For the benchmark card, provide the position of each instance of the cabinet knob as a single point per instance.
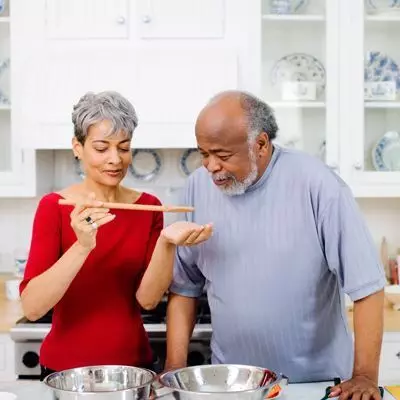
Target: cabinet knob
(121, 20)
(30, 359)
(398, 355)
(146, 19)
(357, 166)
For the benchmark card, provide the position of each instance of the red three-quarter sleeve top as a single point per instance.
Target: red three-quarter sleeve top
(98, 320)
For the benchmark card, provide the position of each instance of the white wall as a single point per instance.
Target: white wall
(16, 215)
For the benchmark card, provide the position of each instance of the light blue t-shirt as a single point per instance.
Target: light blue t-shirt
(276, 268)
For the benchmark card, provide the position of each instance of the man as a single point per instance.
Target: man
(288, 241)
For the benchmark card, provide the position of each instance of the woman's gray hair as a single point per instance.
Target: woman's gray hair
(96, 107)
(261, 117)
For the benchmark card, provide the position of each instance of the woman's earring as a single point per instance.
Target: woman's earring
(76, 158)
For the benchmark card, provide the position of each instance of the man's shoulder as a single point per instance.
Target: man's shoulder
(305, 173)
(309, 169)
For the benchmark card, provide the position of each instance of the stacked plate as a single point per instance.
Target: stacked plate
(386, 152)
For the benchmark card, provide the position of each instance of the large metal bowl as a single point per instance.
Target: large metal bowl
(219, 382)
(104, 382)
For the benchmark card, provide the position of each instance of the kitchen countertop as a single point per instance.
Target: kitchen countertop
(11, 311)
(304, 391)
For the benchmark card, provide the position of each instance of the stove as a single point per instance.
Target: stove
(28, 337)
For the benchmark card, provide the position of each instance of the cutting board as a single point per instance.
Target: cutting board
(394, 391)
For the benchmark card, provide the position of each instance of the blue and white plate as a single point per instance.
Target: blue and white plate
(4, 81)
(299, 67)
(191, 160)
(146, 164)
(389, 5)
(386, 153)
(287, 6)
(378, 67)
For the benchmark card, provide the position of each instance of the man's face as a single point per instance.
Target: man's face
(227, 154)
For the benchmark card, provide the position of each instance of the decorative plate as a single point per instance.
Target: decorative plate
(389, 5)
(78, 168)
(378, 67)
(386, 153)
(286, 6)
(4, 71)
(146, 164)
(191, 160)
(299, 67)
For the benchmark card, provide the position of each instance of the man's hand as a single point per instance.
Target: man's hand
(356, 388)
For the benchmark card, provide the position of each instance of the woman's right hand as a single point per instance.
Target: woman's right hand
(86, 217)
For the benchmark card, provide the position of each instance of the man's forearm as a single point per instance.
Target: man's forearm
(180, 323)
(368, 331)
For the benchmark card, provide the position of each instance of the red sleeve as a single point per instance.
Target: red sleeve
(156, 228)
(45, 247)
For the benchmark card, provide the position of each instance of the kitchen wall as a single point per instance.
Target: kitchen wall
(16, 215)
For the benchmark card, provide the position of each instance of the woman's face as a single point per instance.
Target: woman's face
(105, 158)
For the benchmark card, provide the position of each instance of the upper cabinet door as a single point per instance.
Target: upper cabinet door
(300, 50)
(86, 19)
(370, 92)
(181, 18)
(173, 85)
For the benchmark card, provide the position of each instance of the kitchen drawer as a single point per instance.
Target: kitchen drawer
(7, 370)
(389, 371)
(390, 355)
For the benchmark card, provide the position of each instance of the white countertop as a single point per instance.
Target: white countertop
(35, 390)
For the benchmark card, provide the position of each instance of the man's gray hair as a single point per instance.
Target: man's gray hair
(96, 107)
(260, 116)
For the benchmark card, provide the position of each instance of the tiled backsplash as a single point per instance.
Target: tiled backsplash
(16, 215)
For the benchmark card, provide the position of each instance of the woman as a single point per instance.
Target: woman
(94, 266)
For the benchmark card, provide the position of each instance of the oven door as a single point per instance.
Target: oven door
(27, 359)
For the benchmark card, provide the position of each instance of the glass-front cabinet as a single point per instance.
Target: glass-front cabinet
(331, 71)
(369, 96)
(300, 73)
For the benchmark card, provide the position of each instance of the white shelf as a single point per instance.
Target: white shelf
(383, 18)
(382, 104)
(293, 17)
(4, 19)
(5, 107)
(297, 104)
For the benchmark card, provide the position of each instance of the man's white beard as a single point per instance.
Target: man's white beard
(239, 187)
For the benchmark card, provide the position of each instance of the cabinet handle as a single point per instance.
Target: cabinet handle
(398, 355)
(146, 19)
(121, 20)
(357, 166)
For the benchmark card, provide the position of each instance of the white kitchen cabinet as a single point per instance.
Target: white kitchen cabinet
(169, 56)
(17, 168)
(167, 82)
(86, 19)
(7, 369)
(390, 359)
(172, 87)
(161, 19)
(371, 164)
(299, 75)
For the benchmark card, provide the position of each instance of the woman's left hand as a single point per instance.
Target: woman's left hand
(183, 233)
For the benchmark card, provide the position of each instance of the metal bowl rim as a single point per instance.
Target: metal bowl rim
(54, 374)
(251, 367)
